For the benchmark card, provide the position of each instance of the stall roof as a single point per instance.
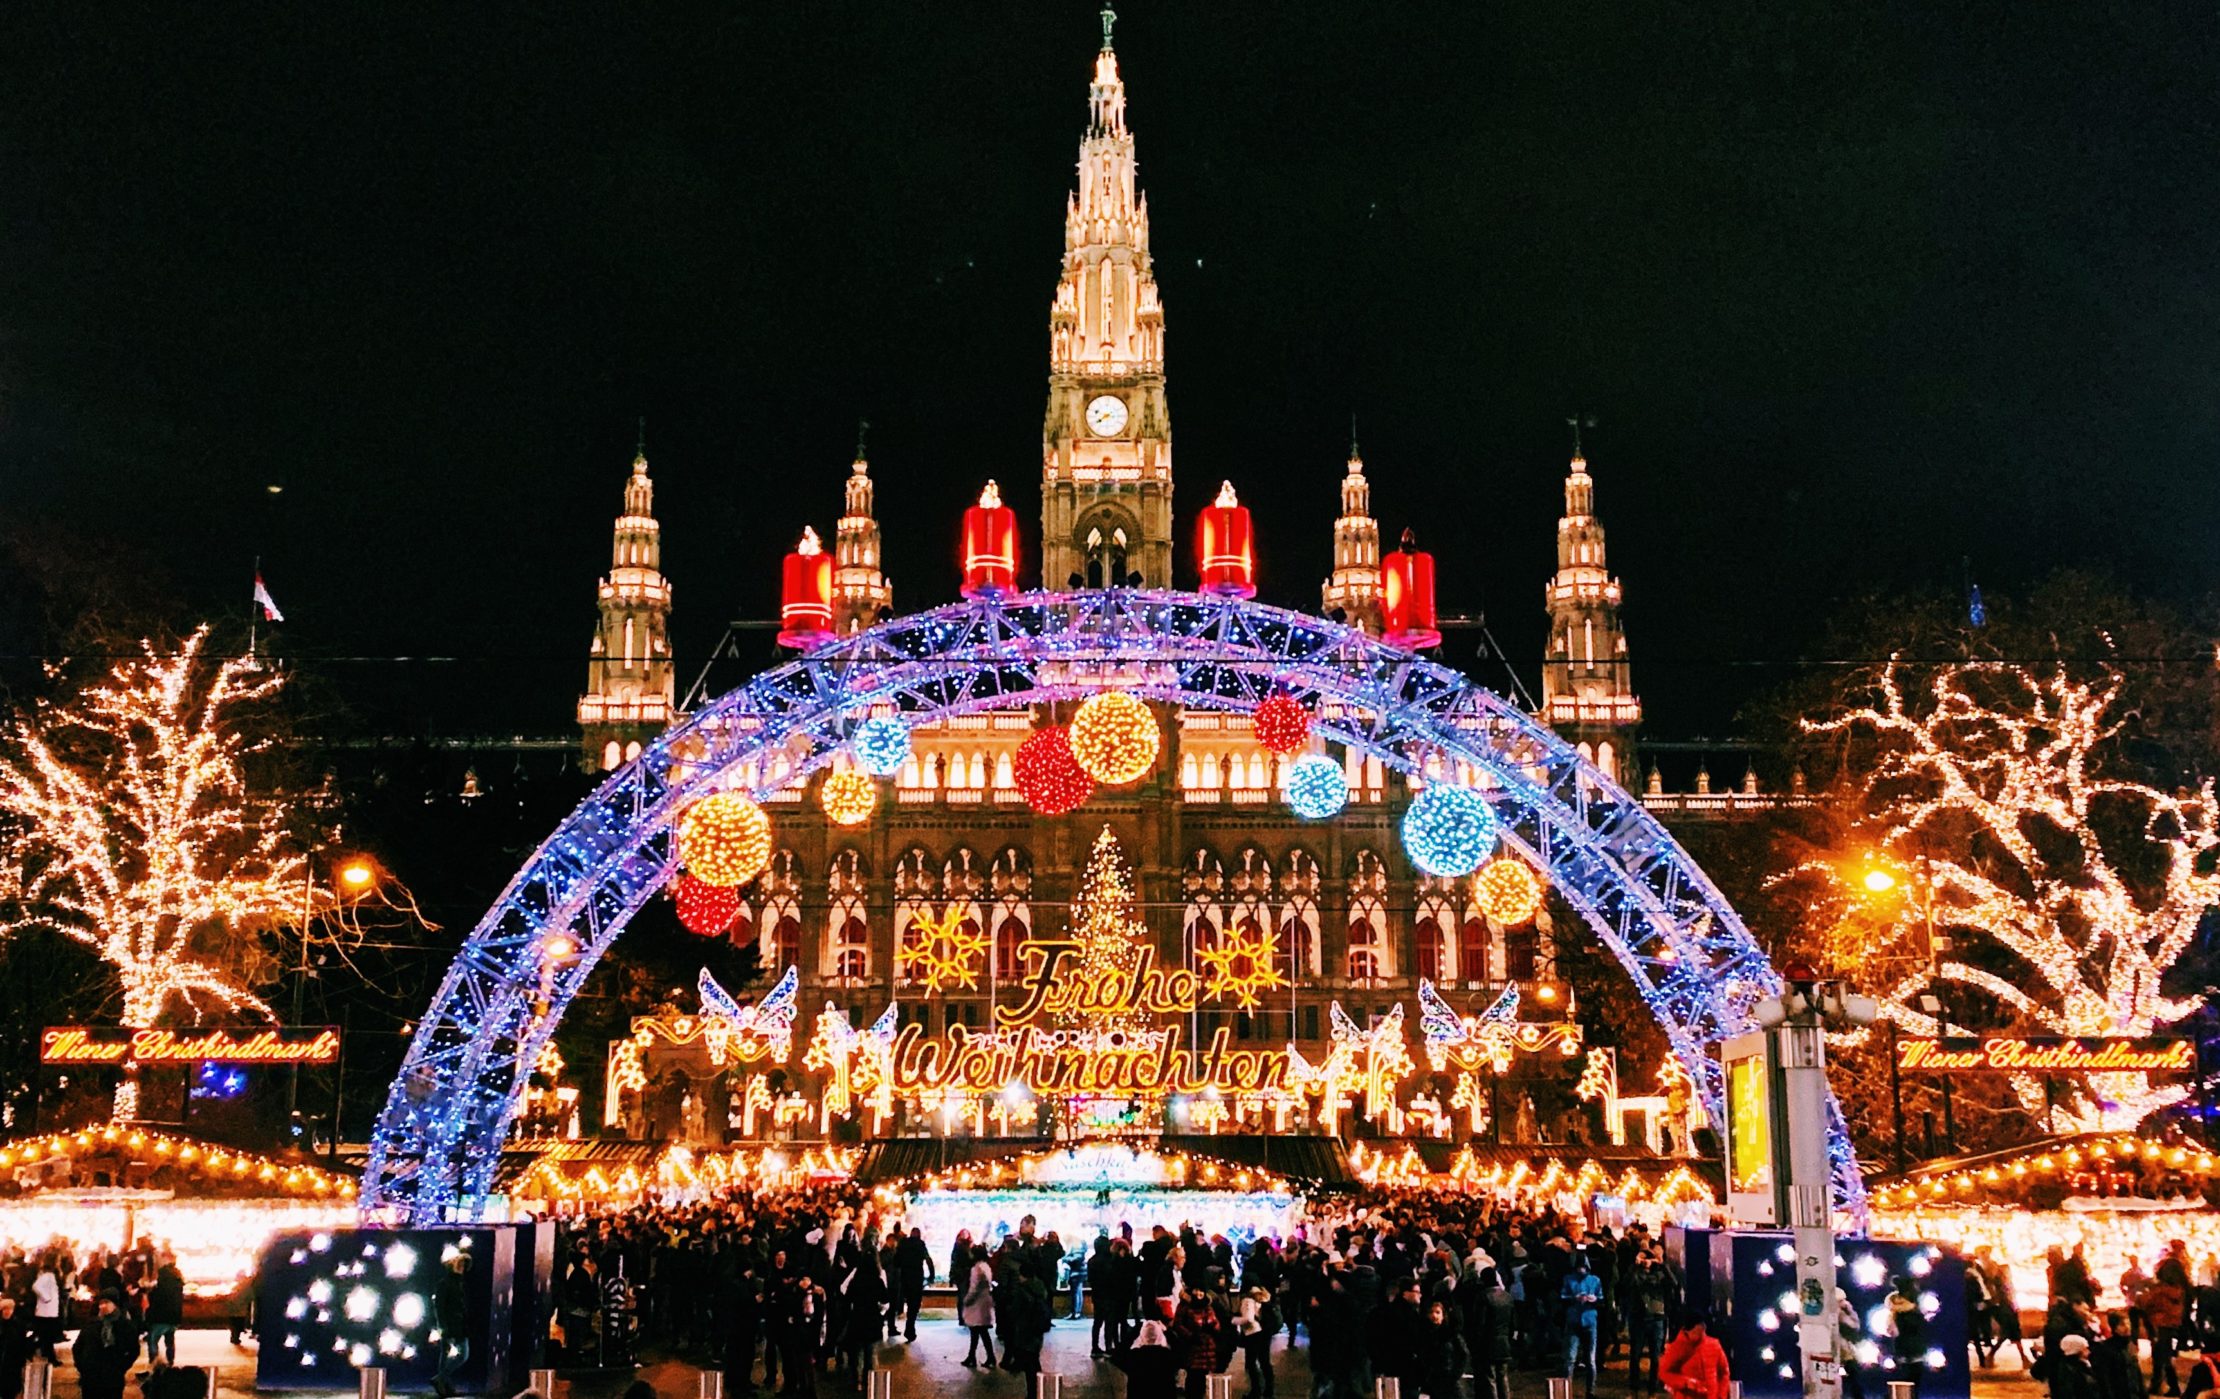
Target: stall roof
(1318, 1161)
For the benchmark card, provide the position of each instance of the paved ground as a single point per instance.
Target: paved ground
(932, 1366)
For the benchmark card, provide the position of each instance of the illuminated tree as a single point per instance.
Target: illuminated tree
(2003, 804)
(128, 824)
(1103, 922)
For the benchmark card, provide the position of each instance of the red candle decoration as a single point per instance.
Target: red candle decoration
(990, 546)
(1048, 776)
(1225, 549)
(1282, 724)
(705, 909)
(1407, 586)
(805, 595)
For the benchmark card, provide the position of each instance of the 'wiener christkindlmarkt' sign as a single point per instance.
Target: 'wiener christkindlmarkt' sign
(114, 1045)
(2048, 1054)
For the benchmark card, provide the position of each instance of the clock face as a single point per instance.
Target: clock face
(1106, 416)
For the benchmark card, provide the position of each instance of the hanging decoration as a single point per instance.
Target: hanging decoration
(724, 839)
(705, 909)
(1507, 891)
(942, 954)
(1114, 737)
(1240, 965)
(1407, 597)
(1048, 776)
(1225, 547)
(805, 595)
(990, 546)
(1448, 830)
(848, 797)
(1316, 787)
(881, 745)
(1282, 725)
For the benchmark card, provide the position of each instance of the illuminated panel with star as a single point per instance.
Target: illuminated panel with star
(335, 1301)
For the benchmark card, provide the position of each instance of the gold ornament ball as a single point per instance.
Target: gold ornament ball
(848, 797)
(1115, 738)
(1507, 891)
(724, 839)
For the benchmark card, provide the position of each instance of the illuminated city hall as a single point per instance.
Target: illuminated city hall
(914, 894)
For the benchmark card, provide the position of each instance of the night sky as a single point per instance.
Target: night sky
(1857, 291)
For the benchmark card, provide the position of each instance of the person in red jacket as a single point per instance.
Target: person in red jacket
(1695, 1365)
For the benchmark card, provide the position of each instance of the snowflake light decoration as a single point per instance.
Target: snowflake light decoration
(941, 954)
(1242, 964)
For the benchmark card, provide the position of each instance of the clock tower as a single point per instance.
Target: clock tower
(1106, 442)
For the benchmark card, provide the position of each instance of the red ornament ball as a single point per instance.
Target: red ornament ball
(705, 909)
(1282, 724)
(1048, 776)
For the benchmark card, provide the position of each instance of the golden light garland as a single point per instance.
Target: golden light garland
(162, 1149)
(1241, 964)
(2051, 1160)
(1507, 890)
(1115, 738)
(724, 839)
(941, 954)
(848, 797)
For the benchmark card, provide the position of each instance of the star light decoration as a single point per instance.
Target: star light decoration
(1241, 965)
(1507, 890)
(1316, 787)
(724, 839)
(848, 797)
(1448, 830)
(941, 954)
(2075, 886)
(127, 824)
(1048, 776)
(1114, 738)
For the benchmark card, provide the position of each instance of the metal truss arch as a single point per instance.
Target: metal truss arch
(1684, 947)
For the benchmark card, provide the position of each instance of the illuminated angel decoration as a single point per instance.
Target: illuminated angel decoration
(1241, 964)
(832, 1052)
(1386, 1059)
(1467, 1041)
(943, 954)
(748, 1033)
(1330, 1080)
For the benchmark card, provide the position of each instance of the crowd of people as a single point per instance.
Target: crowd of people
(137, 1299)
(2093, 1338)
(794, 1288)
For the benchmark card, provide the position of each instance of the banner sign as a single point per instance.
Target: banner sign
(2047, 1054)
(115, 1045)
(1753, 1172)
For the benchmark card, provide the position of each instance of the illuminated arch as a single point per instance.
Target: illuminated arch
(1689, 956)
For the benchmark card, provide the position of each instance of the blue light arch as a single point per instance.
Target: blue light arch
(433, 1154)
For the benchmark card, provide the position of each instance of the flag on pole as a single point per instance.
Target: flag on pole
(263, 600)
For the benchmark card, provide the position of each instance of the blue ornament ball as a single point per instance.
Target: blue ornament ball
(1315, 787)
(881, 745)
(1449, 830)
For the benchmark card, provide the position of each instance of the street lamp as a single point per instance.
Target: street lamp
(354, 877)
(1880, 879)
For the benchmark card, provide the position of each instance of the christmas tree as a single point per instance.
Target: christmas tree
(1109, 932)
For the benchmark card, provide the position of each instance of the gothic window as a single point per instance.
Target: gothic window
(1428, 934)
(1431, 933)
(612, 757)
(916, 880)
(848, 937)
(1004, 778)
(1010, 882)
(1472, 949)
(786, 941)
(1370, 952)
(1364, 948)
(632, 750)
(1299, 887)
(1520, 948)
(1202, 888)
(628, 643)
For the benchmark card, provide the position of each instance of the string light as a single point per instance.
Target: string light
(705, 909)
(1448, 830)
(724, 839)
(848, 797)
(2073, 936)
(1281, 724)
(1316, 787)
(1507, 891)
(1114, 737)
(132, 829)
(1047, 774)
(881, 745)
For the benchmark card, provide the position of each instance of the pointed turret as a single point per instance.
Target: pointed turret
(1587, 691)
(630, 680)
(861, 592)
(1353, 589)
(1106, 439)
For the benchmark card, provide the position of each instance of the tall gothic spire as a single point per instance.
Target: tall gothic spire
(1587, 692)
(860, 591)
(1353, 589)
(1106, 451)
(630, 681)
